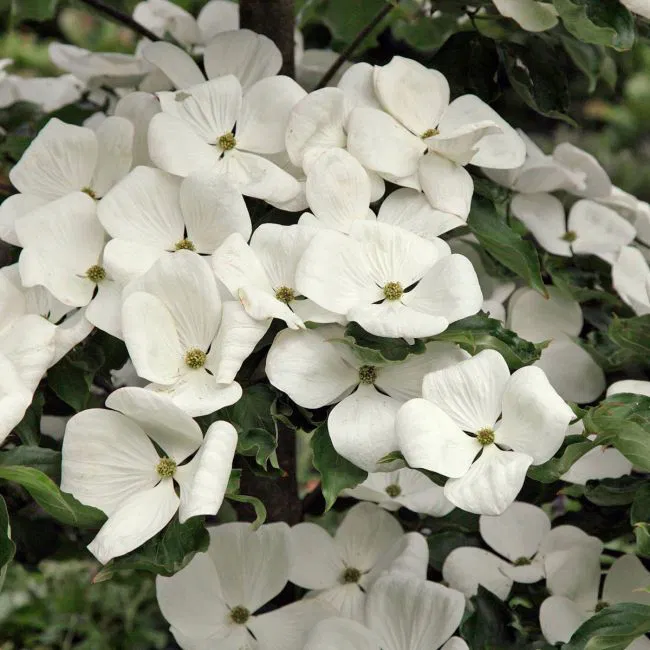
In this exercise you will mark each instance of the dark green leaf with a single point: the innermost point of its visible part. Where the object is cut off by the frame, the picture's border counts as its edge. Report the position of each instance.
(377, 350)
(613, 491)
(260, 444)
(426, 33)
(336, 472)
(574, 447)
(442, 544)
(166, 553)
(640, 519)
(587, 58)
(47, 494)
(602, 22)
(504, 244)
(488, 626)
(258, 506)
(613, 628)
(253, 410)
(47, 461)
(33, 9)
(632, 334)
(29, 428)
(7, 547)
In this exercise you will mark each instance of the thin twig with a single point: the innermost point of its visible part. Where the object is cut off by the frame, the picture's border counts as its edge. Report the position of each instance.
(349, 50)
(121, 17)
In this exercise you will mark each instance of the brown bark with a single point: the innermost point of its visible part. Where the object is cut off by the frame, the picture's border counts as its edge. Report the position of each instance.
(275, 19)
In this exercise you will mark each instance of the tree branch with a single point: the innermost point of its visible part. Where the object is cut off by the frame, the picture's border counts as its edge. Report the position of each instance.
(120, 17)
(349, 50)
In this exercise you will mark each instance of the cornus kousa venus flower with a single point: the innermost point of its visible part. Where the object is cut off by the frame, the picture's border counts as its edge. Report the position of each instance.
(151, 213)
(631, 279)
(483, 428)
(182, 339)
(214, 601)
(211, 126)
(410, 134)
(64, 159)
(523, 538)
(110, 462)
(316, 368)
(392, 282)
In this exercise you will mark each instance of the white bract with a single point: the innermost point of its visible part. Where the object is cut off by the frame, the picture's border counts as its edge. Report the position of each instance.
(110, 462)
(483, 428)
(316, 368)
(213, 602)
(631, 279)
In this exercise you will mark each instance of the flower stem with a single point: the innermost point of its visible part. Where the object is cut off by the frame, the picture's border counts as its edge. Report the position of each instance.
(120, 17)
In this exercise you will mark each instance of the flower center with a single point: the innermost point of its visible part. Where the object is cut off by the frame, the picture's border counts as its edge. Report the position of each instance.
(601, 604)
(166, 467)
(195, 358)
(393, 291)
(368, 374)
(429, 133)
(227, 141)
(569, 236)
(393, 490)
(90, 192)
(350, 576)
(239, 615)
(184, 245)
(522, 561)
(96, 273)
(285, 295)
(485, 436)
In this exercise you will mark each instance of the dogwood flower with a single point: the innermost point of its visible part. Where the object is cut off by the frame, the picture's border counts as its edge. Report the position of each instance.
(110, 462)
(591, 229)
(139, 108)
(419, 120)
(315, 368)
(213, 602)
(573, 579)
(182, 339)
(403, 488)
(631, 279)
(50, 93)
(638, 7)
(366, 275)
(64, 159)
(571, 370)
(366, 543)
(196, 131)
(456, 431)
(151, 213)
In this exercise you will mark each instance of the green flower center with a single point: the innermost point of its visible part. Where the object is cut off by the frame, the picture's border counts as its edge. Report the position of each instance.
(393, 291)
(90, 192)
(166, 467)
(96, 273)
(522, 561)
(429, 133)
(485, 436)
(393, 490)
(368, 374)
(350, 576)
(601, 604)
(195, 358)
(239, 615)
(227, 141)
(569, 236)
(184, 245)
(285, 295)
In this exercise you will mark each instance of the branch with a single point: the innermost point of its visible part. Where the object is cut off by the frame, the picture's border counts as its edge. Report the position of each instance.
(120, 17)
(349, 50)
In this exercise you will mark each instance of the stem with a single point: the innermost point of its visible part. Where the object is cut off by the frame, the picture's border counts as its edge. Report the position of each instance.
(120, 17)
(349, 50)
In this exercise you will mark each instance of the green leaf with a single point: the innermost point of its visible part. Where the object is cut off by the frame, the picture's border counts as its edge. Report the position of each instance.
(166, 553)
(613, 491)
(535, 76)
(377, 350)
(632, 334)
(7, 547)
(640, 519)
(624, 422)
(587, 58)
(260, 444)
(252, 411)
(29, 428)
(574, 447)
(504, 244)
(336, 472)
(45, 460)
(481, 332)
(33, 9)
(488, 626)
(258, 506)
(63, 507)
(613, 628)
(426, 33)
(602, 22)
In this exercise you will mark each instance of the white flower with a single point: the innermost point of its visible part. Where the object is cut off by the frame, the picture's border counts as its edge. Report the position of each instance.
(139, 108)
(634, 386)
(50, 93)
(641, 7)
(591, 229)
(419, 120)
(196, 131)
(573, 579)
(262, 275)
(182, 339)
(151, 213)
(403, 488)
(110, 462)
(631, 279)
(369, 275)
(213, 601)
(572, 371)
(367, 542)
(523, 536)
(458, 419)
(315, 370)
(64, 159)
(531, 15)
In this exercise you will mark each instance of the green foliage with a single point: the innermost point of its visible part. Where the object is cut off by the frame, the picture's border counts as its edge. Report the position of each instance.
(7, 547)
(29, 428)
(488, 626)
(640, 519)
(573, 448)
(632, 335)
(377, 350)
(613, 491)
(33, 9)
